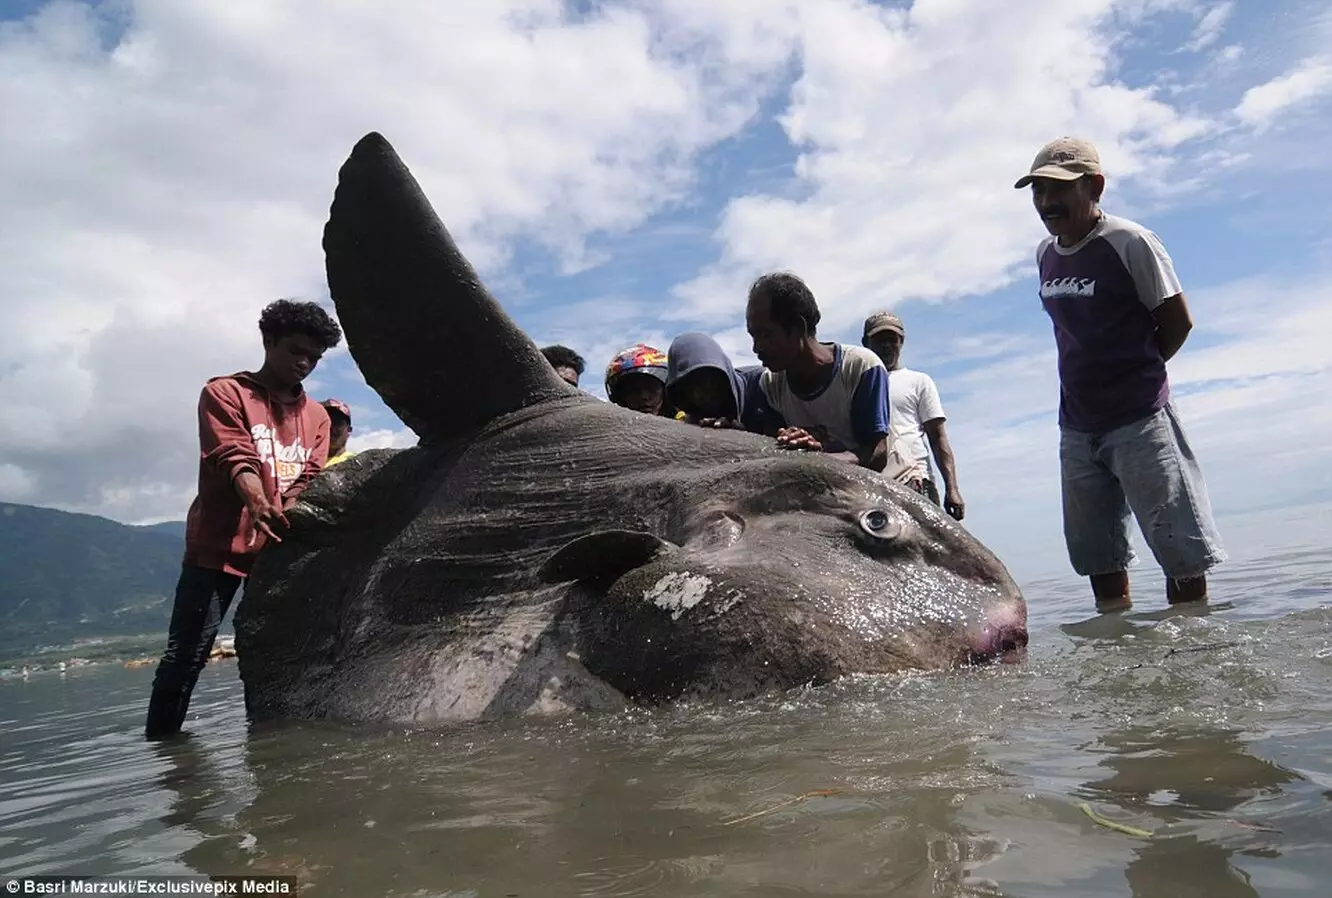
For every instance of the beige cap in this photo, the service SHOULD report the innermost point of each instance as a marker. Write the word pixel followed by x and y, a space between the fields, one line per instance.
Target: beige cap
pixel 882 321
pixel 1065 159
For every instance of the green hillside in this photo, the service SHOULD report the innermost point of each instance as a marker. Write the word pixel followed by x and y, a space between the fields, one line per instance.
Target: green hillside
pixel 71 576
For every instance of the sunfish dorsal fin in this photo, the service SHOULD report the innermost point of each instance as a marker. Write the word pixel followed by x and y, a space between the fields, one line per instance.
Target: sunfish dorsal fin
pixel 427 335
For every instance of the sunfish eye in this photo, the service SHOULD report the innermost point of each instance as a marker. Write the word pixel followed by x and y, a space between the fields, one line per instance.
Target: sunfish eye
pixel 877 523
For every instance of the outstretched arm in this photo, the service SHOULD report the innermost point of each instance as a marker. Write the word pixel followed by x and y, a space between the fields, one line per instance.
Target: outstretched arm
pixel 225 441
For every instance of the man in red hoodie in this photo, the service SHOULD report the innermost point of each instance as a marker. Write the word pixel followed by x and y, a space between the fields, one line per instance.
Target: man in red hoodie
pixel 260 442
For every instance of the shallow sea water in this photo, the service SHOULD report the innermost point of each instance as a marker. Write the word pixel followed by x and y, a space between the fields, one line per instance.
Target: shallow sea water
pixel 1207 733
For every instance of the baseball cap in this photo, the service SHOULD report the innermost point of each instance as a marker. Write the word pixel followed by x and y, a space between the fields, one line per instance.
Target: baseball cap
pixel 337 405
pixel 880 322
pixel 1065 159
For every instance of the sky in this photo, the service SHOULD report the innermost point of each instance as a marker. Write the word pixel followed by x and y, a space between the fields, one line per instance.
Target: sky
pixel 620 171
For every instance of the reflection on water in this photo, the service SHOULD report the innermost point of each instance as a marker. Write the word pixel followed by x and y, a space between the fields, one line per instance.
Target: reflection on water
pixel 1192 783
pixel 1209 731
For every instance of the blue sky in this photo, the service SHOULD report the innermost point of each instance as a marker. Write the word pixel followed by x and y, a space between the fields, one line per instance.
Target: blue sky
pixel 619 172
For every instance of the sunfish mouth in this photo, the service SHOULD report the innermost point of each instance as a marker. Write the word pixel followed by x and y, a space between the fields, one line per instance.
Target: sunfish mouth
pixel 1001 637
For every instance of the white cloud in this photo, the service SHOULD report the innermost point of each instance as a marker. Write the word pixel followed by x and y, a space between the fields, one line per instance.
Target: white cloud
pixel 15 484
pixel 173 171
pixel 600 327
pixel 1260 105
pixel 1210 26
pixel 383 438
pixel 1250 385
pixel 174 178
pixel 1268 326
pixel 982 346
pixel 912 126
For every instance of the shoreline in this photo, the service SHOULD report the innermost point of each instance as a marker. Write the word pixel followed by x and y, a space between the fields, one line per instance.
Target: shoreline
pixel 128 652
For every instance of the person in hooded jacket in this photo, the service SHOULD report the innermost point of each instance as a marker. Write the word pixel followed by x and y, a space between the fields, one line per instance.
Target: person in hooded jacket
pixel 702 383
pixel 261 441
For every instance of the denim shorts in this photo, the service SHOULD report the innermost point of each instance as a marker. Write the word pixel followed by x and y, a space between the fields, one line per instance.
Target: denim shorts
pixel 1147 470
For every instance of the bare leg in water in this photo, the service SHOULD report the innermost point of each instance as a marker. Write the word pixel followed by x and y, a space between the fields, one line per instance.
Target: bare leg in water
pixel 1112 591
pixel 1194 589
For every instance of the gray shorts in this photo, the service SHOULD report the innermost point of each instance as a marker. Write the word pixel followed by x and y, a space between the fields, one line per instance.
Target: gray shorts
pixel 1145 469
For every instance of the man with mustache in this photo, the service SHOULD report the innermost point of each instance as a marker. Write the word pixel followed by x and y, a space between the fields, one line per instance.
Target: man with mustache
pixel 1119 315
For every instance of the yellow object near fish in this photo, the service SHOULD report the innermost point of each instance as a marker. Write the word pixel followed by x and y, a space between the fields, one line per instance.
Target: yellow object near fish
pixel 1110 824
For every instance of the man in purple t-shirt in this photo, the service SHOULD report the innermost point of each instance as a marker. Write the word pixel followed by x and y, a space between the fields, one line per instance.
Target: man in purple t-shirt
pixel 1119 315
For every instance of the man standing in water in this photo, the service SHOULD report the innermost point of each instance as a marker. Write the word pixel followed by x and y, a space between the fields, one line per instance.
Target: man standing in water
pixel 1119 315
pixel 916 413
pixel 260 442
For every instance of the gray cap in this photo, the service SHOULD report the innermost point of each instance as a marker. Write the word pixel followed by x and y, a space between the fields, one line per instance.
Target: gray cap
pixel 880 322
pixel 1065 159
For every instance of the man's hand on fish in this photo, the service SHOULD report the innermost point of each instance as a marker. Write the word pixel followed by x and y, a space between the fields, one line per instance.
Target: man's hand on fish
pixel 798 438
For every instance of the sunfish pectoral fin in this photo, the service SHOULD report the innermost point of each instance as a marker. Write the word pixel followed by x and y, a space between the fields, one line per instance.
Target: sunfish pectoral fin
pixel 603 556
pixel 428 336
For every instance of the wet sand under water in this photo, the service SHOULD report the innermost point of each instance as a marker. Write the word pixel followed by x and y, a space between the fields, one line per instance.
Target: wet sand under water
pixel 1147 754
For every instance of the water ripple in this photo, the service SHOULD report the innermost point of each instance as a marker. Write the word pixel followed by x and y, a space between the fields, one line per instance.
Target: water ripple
pixel 1208 729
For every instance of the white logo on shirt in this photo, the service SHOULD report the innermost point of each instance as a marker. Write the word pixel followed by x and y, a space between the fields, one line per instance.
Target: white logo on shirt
pixel 1062 288
pixel 285 462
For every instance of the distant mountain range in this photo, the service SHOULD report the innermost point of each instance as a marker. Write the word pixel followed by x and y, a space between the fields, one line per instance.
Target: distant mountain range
pixel 169 528
pixel 73 576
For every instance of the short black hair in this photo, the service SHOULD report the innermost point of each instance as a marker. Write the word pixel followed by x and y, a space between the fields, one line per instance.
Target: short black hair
pixel 564 357
pixel 790 301
pixel 288 316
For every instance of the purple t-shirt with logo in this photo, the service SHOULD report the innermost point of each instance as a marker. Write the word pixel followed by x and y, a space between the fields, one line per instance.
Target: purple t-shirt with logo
pixel 1100 294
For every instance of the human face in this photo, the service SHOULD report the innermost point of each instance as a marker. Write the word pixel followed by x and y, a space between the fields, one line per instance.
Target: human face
pixel 290 359
pixel 640 392
pixel 1068 208
pixel 887 345
pixel 776 348
pixel 338 430
pixel 705 393
pixel 568 375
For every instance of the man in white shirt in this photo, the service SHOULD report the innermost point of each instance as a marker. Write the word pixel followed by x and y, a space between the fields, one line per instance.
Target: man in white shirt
pixel 917 415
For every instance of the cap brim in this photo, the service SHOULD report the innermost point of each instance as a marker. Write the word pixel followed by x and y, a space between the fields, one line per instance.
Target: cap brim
pixel 1056 172
pixel 881 329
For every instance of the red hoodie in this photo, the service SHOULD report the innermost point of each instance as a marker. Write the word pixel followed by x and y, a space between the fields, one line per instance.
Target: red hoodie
pixel 242 427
